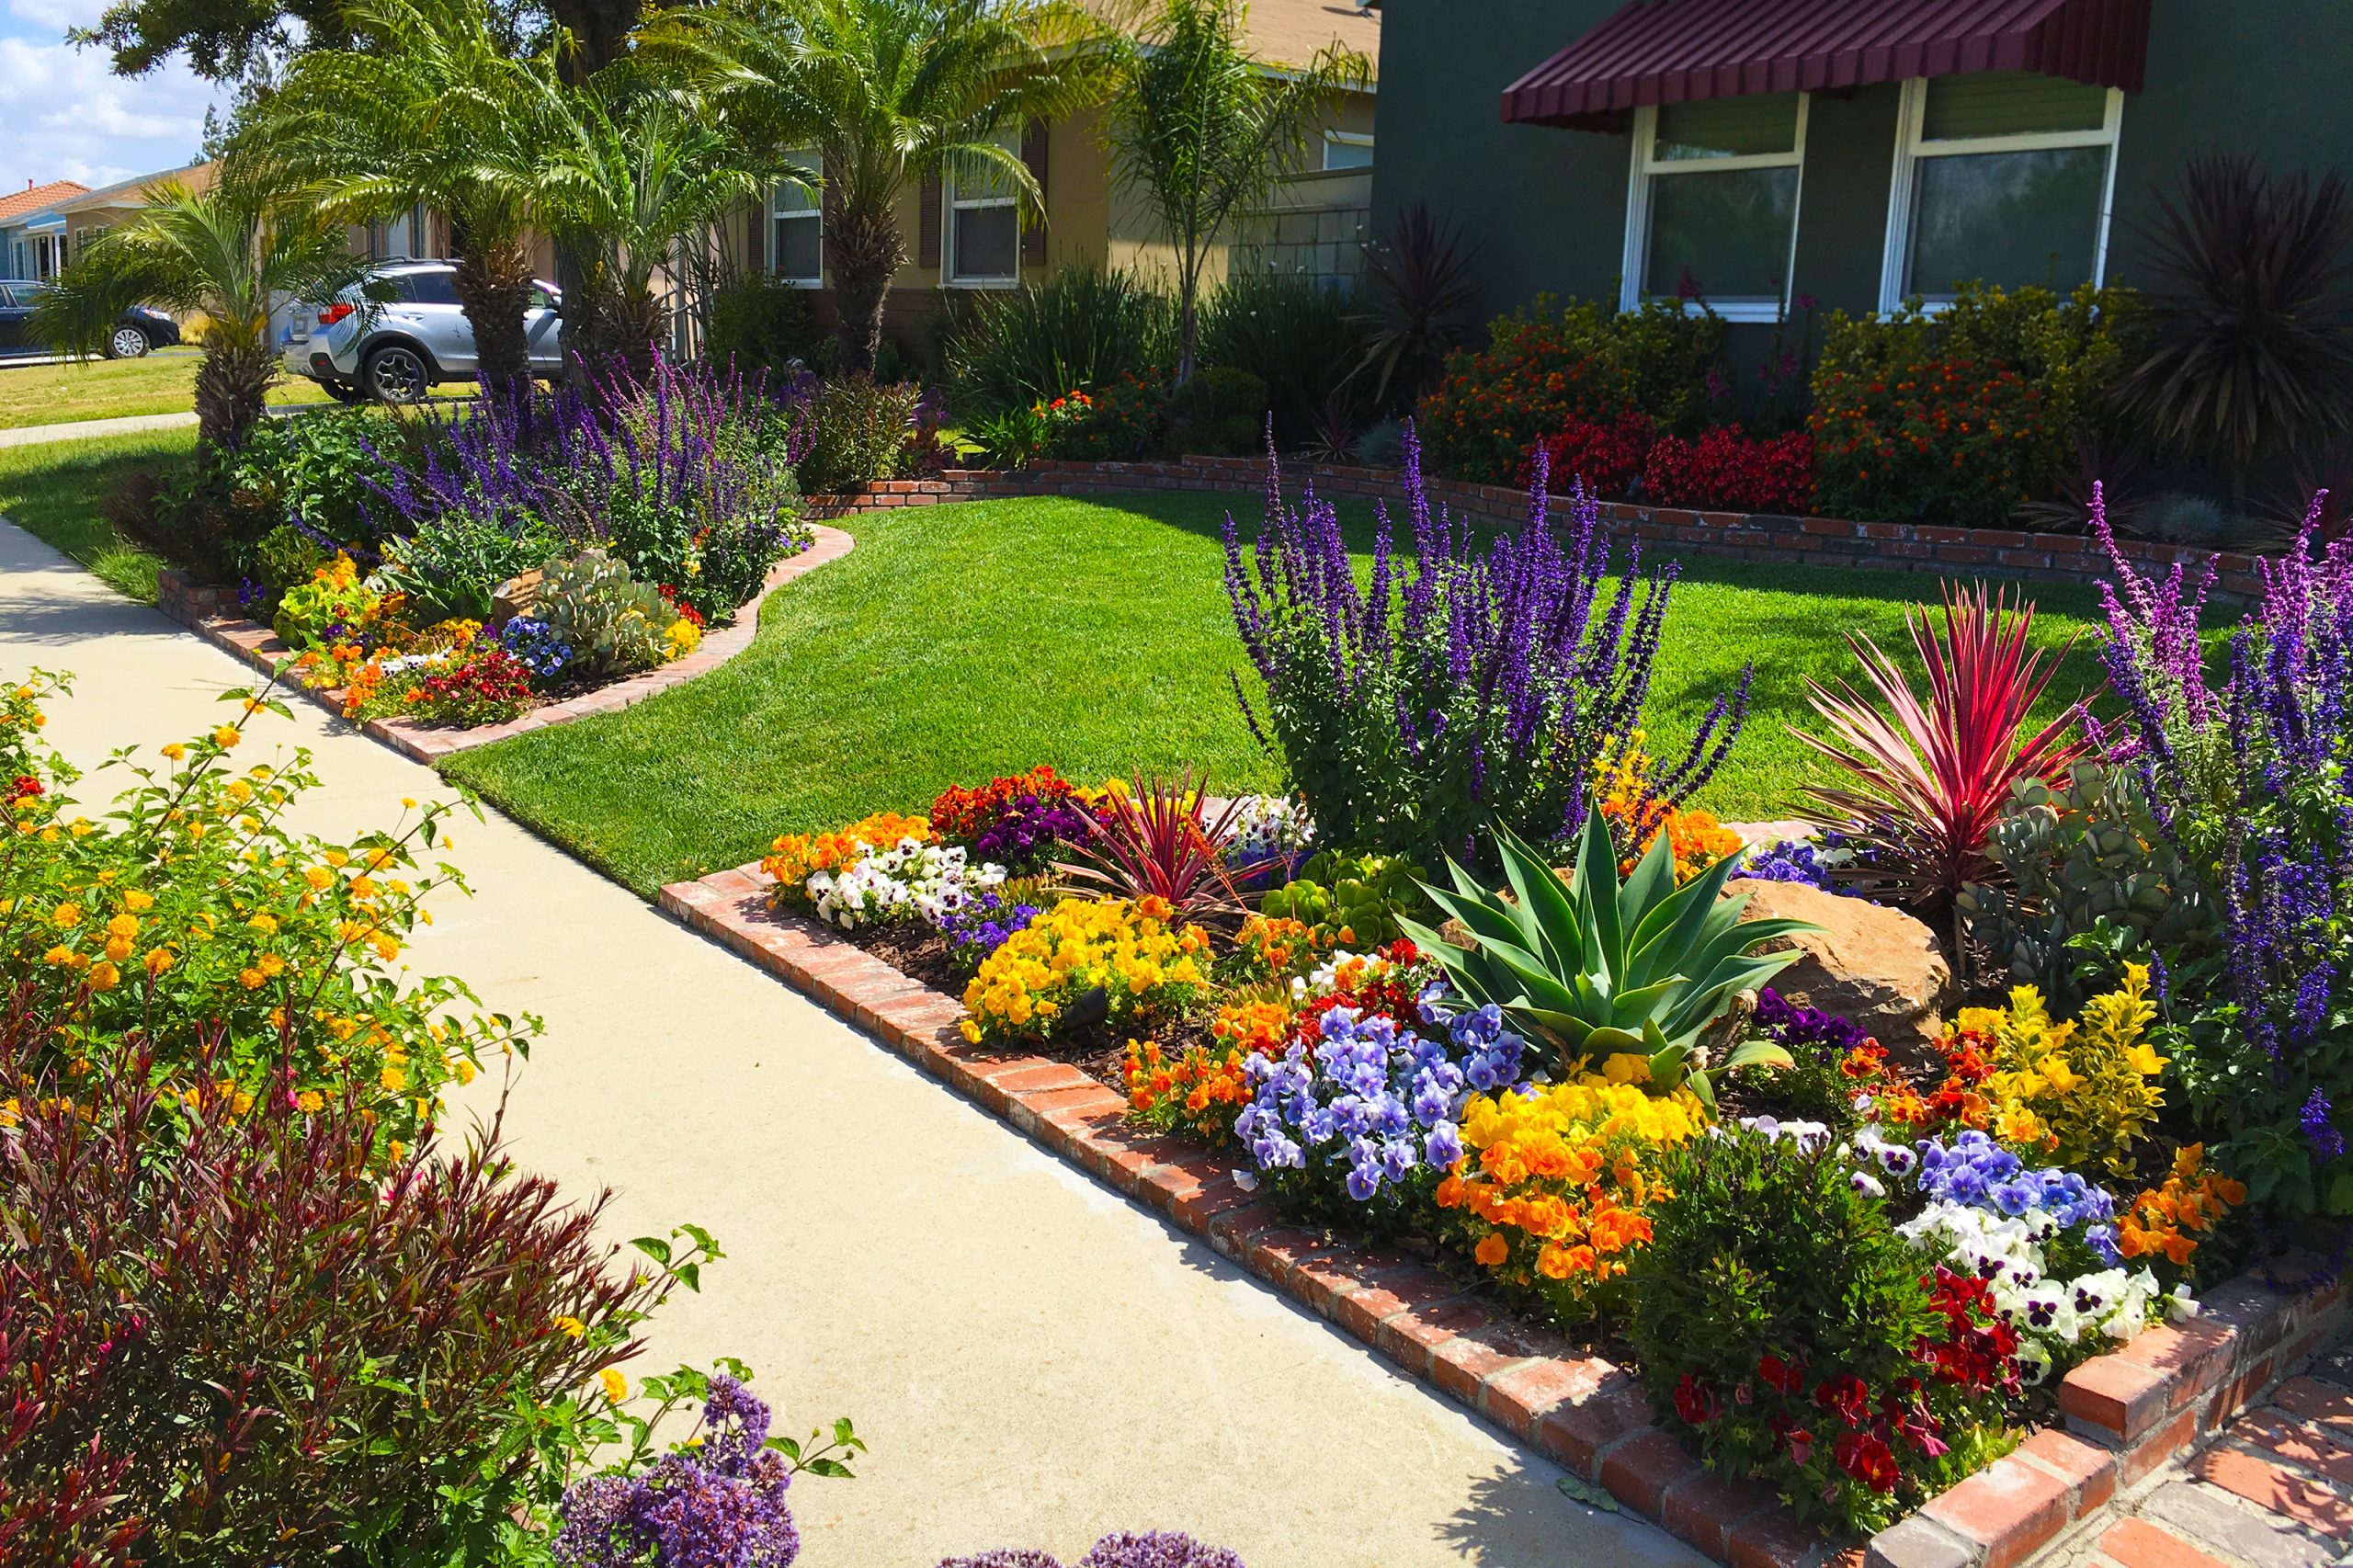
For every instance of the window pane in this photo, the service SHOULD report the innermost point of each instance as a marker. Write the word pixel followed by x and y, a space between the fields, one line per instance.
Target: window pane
pixel 1731 229
pixel 796 249
pixel 979 181
pixel 985 241
pixel 432 288
pixel 1728 128
pixel 2009 103
pixel 795 198
pixel 1347 155
pixel 2008 217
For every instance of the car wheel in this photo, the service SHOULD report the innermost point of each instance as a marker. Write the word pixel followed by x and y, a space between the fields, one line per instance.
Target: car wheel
pixel 396 373
pixel 128 343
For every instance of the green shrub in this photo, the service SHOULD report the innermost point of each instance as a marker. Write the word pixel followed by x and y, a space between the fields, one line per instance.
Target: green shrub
pixel 858 433
pixel 1303 339
pixel 285 557
pixel 1222 411
pixel 453 564
pixel 1961 415
pixel 761 323
pixel 1545 366
pixel 315 468
pixel 1779 1319
pixel 1079 330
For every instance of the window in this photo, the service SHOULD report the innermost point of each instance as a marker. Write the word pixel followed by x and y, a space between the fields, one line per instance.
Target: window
pixel 2004 176
pixel 797 214
pixel 1713 203
pixel 434 287
pixel 1347 150
pixel 983 224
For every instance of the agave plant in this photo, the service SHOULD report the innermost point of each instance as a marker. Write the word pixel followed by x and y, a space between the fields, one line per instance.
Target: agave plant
pixel 1595 967
pixel 1928 779
pixel 1160 840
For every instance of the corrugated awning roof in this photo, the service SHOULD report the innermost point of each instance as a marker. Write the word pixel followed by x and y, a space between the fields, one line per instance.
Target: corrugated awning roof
pixel 1664 52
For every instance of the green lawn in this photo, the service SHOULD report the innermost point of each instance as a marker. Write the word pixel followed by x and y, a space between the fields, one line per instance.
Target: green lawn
pixel 961 641
pixel 163 382
pixel 53 489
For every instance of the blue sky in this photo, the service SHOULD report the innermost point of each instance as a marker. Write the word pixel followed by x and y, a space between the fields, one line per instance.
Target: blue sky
pixel 63 116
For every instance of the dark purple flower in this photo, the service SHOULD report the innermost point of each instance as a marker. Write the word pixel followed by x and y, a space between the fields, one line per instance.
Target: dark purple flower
pixel 1156 1549
pixel 721 1506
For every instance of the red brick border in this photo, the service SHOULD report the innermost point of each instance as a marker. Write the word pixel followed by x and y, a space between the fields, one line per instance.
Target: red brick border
pixel 200 606
pixel 1822 541
pixel 2126 1411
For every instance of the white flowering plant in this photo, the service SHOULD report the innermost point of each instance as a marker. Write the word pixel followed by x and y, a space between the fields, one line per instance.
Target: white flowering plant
pixel 910 880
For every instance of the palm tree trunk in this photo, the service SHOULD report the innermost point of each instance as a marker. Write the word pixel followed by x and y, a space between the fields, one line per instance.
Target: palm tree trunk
pixel 634 325
pixel 493 284
pixel 866 249
pixel 232 387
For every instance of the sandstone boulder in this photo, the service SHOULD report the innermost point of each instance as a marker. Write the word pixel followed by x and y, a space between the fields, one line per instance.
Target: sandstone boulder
pixel 1880 967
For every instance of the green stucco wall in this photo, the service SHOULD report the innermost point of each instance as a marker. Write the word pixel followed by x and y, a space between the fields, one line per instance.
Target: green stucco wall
pixel 1547 207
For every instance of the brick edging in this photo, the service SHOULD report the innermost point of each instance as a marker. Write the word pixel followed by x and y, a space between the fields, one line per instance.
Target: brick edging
pixel 197 605
pixel 1761 537
pixel 2127 1411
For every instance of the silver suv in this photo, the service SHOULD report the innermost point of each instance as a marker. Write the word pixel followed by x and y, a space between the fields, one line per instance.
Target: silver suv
pixel 396 349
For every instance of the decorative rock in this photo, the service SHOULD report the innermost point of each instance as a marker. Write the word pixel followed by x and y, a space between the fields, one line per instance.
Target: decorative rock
pixel 1878 966
pixel 516 596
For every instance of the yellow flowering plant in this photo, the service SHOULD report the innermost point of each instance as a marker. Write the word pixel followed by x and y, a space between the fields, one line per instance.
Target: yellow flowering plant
pixel 1087 961
pixel 189 906
pixel 1638 814
pixel 2079 1093
pixel 1551 1194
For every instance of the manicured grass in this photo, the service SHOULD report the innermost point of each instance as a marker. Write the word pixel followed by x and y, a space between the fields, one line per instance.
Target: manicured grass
pixel 53 489
pixel 956 642
pixel 163 382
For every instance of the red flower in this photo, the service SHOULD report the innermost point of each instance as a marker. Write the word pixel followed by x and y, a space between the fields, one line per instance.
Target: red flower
pixel 1866 1459
pixel 1847 1396
pixel 25 787
pixel 1779 1375
pixel 1696 1401
pixel 1801 1441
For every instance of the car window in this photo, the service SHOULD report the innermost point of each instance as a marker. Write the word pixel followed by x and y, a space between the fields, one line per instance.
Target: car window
pixel 540 298
pixel 7 296
pixel 430 288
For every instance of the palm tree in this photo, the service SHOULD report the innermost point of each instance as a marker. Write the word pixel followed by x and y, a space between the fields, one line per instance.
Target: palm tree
pixel 889 93
pixel 223 254
pixel 1204 130
pixel 631 172
pixel 438 110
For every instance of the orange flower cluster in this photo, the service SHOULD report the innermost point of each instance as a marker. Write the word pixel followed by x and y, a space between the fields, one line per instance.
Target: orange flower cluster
pixel 961 815
pixel 1272 946
pixel 2168 1218
pixel 1262 1026
pixel 794 857
pixel 1637 815
pixel 1199 1093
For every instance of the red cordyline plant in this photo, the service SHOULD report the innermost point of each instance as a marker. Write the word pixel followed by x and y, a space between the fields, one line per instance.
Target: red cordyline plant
pixel 1929 777
pixel 254 1337
pixel 1159 840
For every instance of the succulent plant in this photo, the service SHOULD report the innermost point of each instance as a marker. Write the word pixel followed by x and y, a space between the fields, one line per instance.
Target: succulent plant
pixel 2093 883
pixel 1354 899
pixel 1588 967
pixel 611 621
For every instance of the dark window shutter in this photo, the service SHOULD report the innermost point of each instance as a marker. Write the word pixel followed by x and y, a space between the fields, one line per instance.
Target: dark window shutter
pixel 1033 225
pixel 760 233
pixel 927 224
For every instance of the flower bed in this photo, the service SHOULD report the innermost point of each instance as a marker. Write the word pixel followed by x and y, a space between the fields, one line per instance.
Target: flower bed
pixel 205 608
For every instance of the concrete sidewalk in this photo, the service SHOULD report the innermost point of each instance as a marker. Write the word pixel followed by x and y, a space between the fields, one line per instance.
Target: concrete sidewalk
pixel 84 429
pixel 1032 1361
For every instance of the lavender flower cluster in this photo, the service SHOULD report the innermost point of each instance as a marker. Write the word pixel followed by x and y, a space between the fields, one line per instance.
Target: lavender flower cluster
pixel 1797 1029
pixel 1464 685
pixel 1122 1549
pixel 720 1507
pixel 1791 860
pixel 1371 1103
pixel 1978 1172
pixel 2250 781
pixel 985 923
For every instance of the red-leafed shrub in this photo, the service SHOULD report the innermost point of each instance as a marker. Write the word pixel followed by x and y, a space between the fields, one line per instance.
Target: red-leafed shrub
pixel 1607 456
pixel 262 1336
pixel 1729 470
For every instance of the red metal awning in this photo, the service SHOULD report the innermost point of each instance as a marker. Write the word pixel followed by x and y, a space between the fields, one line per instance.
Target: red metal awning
pixel 1665 51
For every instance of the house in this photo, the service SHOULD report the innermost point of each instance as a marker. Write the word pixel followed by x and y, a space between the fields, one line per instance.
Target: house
pixel 1850 152
pixel 972 235
pixel 32 242
pixel 83 217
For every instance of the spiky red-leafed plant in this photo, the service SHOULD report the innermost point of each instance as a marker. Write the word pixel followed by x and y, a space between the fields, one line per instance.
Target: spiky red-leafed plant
pixel 1927 778
pixel 1158 840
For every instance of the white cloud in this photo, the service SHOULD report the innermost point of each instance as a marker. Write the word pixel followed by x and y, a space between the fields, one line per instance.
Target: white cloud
pixel 56 15
pixel 65 116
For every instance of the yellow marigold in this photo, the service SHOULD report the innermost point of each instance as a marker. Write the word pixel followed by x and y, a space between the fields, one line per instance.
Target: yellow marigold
pixel 680 638
pixel 615 1386
pixel 226 736
pixel 392 1079
pixel 67 917
pixel 569 1328
pixel 104 976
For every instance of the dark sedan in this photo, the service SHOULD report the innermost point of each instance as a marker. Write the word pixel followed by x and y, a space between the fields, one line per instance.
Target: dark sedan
pixel 136 331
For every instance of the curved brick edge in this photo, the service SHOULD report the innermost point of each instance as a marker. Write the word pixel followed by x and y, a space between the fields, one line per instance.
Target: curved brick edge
pixel 1762 537
pixel 199 607
pixel 2126 1413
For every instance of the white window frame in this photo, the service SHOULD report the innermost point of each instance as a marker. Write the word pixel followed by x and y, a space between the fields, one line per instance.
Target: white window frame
pixel 1904 188
pixel 951 204
pixel 1647 166
pixel 808 161
pixel 1345 139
